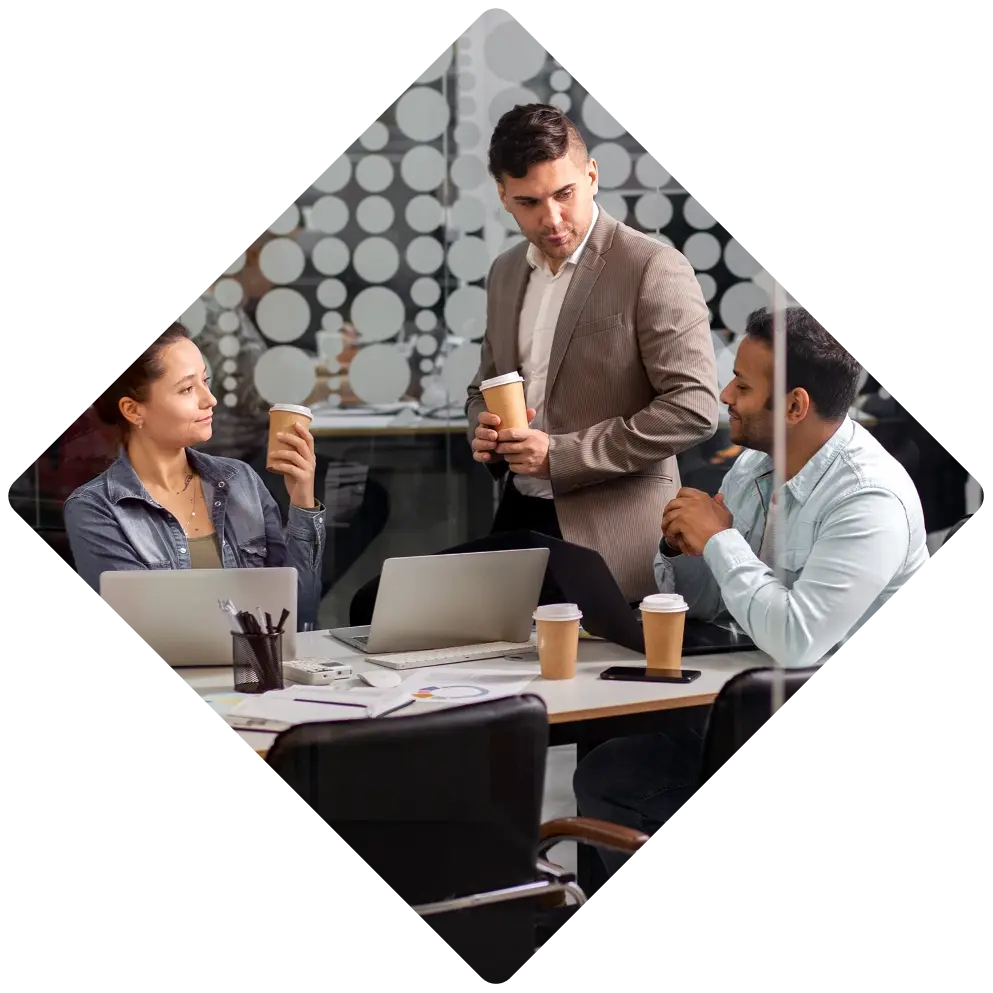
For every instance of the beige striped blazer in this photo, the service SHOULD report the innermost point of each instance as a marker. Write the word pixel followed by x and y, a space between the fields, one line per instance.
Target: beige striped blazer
pixel 632 381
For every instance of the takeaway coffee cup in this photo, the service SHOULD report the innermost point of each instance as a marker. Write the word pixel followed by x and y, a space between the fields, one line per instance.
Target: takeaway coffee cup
pixel 504 396
pixel 282 417
pixel 662 618
pixel 558 639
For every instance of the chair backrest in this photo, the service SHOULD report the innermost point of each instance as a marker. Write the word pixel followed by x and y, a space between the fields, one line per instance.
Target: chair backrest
pixel 972 534
pixel 440 804
pixel 892 755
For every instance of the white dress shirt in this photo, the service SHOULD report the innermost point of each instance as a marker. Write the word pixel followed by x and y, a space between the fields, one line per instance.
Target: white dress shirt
pixel 543 300
pixel 850 534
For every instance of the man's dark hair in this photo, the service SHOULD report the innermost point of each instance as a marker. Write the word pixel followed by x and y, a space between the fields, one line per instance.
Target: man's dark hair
pixel 815 362
pixel 532 133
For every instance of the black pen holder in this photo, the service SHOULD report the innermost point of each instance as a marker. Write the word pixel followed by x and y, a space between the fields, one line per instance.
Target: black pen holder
pixel 258 662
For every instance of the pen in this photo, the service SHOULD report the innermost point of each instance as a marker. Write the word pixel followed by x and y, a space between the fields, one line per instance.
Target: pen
pixel 330 703
pixel 282 620
pixel 268 623
pixel 249 624
pixel 362 706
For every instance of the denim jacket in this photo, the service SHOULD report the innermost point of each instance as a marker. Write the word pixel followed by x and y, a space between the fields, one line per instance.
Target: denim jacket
pixel 113 524
pixel 851 533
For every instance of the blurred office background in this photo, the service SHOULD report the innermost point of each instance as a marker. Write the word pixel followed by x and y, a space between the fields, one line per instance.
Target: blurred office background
pixel 365 299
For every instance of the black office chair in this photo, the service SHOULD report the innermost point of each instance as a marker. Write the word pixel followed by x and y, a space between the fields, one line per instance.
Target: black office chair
pixel 971 534
pixel 788 782
pixel 761 774
pixel 446 807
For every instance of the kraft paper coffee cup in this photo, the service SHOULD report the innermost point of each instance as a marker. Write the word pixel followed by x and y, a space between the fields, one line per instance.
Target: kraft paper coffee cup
pixel 558 639
pixel 663 617
pixel 504 396
pixel 282 417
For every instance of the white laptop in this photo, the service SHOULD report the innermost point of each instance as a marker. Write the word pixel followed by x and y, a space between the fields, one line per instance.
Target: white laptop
pixel 176 610
pixel 435 609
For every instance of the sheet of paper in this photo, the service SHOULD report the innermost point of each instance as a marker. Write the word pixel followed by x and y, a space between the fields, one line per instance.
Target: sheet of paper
pixel 269 707
pixel 334 699
pixel 223 702
pixel 449 686
pixel 377 702
pixel 440 685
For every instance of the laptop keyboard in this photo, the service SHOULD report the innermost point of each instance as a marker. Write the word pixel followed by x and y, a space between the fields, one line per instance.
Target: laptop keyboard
pixel 443 656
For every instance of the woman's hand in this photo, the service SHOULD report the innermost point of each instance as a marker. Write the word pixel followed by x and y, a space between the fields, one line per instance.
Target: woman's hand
pixel 297 463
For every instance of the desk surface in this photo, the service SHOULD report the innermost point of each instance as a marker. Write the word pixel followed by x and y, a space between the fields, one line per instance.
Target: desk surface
pixel 587 697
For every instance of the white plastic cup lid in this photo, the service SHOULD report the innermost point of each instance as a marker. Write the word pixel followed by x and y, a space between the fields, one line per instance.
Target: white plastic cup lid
pixel 663 603
pixel 558 612
pixel 510 377
pixel 292 408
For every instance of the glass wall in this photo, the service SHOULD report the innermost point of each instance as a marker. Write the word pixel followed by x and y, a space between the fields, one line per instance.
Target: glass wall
pixel 365 299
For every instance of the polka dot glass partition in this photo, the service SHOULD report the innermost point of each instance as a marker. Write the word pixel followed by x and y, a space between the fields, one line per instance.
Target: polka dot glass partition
pixel 389 249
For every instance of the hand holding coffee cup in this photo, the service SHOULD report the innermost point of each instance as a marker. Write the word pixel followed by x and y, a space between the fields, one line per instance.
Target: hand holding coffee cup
pixel 291 452
pixel 663 617
pixel 558 639
pixel 506 408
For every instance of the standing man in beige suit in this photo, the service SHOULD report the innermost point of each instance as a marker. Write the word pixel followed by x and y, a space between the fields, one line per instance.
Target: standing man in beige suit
pixel 609 329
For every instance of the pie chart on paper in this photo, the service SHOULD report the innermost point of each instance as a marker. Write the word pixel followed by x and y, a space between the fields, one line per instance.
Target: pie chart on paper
pixel 450 692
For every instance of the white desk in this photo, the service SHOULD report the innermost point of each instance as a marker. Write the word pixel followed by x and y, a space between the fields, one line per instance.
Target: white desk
pixel 585 698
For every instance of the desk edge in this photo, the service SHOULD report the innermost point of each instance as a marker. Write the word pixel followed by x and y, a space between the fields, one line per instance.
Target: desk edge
pixel 635 707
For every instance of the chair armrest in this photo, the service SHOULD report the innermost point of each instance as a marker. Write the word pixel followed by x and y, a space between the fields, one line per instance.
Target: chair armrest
pixel 586 830
pixel 538 890
pixel 554 872
pixel 557 874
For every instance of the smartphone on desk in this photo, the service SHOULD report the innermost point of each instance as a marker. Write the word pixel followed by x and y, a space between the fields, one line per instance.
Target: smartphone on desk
pixel 642 674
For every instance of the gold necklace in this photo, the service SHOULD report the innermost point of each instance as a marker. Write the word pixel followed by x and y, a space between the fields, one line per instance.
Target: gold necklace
pixel 193 509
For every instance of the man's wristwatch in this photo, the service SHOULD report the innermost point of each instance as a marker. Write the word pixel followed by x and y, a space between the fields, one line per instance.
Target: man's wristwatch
pixel 669 551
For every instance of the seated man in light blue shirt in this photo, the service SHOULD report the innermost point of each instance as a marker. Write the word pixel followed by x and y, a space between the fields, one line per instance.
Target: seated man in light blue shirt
pixel 849 532
pixel 850 529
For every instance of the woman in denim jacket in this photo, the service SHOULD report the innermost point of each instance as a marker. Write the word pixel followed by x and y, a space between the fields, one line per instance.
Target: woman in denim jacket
pixel 164 505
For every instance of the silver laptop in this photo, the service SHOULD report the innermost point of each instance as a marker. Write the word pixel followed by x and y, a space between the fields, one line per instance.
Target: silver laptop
pixel 451 608
pixel 176 611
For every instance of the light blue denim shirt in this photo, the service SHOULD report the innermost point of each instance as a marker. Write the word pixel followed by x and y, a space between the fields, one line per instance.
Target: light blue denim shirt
pixel 114 524
pixel 851 533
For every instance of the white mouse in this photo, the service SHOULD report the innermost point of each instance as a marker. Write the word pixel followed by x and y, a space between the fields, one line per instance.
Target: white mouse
pixel 380 678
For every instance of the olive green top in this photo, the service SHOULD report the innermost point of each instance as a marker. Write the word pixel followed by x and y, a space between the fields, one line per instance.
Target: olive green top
pixel 205 552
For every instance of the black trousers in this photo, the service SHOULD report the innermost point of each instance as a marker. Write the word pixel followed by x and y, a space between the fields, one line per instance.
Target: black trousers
pixel 523 513
pixel 516 512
